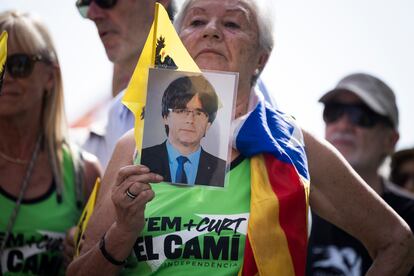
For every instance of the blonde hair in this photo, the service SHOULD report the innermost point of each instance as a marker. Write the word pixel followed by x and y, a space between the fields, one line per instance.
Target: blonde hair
pixel 31 35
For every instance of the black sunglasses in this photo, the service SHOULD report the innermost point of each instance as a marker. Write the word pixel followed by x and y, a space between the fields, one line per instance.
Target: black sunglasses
pixel 83 5
pixel 359 114
pixel 21 65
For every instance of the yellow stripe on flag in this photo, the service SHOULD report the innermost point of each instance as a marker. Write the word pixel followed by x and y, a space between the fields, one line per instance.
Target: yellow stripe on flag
pixel 86 214
pixel 136 93
pixel 264 214
pixel 3 56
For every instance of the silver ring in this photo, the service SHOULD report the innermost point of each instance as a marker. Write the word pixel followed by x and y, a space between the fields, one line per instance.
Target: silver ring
pixel 130 195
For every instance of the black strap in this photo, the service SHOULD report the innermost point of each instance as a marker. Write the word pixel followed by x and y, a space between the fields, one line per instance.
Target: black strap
pixel 108 256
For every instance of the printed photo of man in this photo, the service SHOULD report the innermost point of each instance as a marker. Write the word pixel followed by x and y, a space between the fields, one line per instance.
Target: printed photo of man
pixel 189 107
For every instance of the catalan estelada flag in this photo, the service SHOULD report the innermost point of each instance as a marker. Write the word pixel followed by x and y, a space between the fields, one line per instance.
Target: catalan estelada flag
pixel 86 214
pixel 277 229
pixel 3 56
pixel 163 49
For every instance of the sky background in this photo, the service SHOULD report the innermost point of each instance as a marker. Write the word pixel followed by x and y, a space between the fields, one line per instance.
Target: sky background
pixel 317 43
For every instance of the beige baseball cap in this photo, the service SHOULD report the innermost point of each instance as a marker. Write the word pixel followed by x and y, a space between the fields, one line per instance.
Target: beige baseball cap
pixel 372 91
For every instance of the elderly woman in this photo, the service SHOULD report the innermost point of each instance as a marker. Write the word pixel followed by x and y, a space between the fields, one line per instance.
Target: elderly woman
pixel 41 176
pixel 169 230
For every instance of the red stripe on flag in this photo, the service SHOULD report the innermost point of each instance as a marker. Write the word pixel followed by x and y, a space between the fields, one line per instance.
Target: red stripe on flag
pixel 249 264
pixel 290 192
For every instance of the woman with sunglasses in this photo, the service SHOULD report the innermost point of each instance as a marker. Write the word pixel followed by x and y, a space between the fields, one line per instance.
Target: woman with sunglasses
pixel 43 179
pixel 169 230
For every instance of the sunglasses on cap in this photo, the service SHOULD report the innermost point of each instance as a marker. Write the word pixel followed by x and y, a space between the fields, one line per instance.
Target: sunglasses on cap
pixel 359 114
pixel 83 5
pixel 21 65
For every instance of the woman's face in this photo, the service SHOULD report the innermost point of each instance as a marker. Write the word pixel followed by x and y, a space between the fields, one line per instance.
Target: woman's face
pixel 223 35
pixel 25 94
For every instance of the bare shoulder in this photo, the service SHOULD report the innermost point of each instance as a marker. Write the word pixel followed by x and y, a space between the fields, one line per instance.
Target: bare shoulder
pixel 314 145
pixel 127 141
pixel 124 151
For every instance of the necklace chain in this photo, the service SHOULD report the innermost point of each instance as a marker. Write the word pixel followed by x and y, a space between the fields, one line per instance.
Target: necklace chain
pixel 12 159
pixel 23 188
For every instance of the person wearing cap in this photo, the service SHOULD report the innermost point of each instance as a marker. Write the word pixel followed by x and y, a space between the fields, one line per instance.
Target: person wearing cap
pixel 361 118
pixel 402 169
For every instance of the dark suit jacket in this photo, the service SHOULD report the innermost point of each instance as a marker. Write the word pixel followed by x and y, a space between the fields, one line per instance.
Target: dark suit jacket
pixel 211 170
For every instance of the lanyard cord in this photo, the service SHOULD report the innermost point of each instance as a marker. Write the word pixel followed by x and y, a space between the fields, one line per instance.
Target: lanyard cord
pixel 23 189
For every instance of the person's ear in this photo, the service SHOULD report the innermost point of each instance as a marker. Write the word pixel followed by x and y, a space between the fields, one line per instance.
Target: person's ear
pixel 261 62
pixel 52 72
pixel 392 141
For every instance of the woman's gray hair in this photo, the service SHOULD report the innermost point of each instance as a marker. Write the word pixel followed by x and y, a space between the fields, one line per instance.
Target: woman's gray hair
pixel 263 14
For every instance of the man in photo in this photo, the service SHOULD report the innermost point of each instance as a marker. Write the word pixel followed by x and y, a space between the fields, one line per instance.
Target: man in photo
pixel 189 107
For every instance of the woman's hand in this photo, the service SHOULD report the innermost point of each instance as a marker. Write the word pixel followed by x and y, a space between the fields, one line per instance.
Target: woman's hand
pixel 117 217
pixel 130 194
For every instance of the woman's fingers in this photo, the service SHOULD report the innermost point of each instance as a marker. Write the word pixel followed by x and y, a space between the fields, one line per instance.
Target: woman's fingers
pixel 132 180
pixel 137 193
pixel 130 198
pixel 132 190
pixel 143 198
pixel 130 170
pixel 136 173
pixel 132 186
pixel 130 213
pixel 136 184
pixel 140 179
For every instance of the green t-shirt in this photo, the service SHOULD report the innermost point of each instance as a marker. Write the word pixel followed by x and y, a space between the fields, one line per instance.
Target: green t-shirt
pixel 36 243
pixel 196 230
